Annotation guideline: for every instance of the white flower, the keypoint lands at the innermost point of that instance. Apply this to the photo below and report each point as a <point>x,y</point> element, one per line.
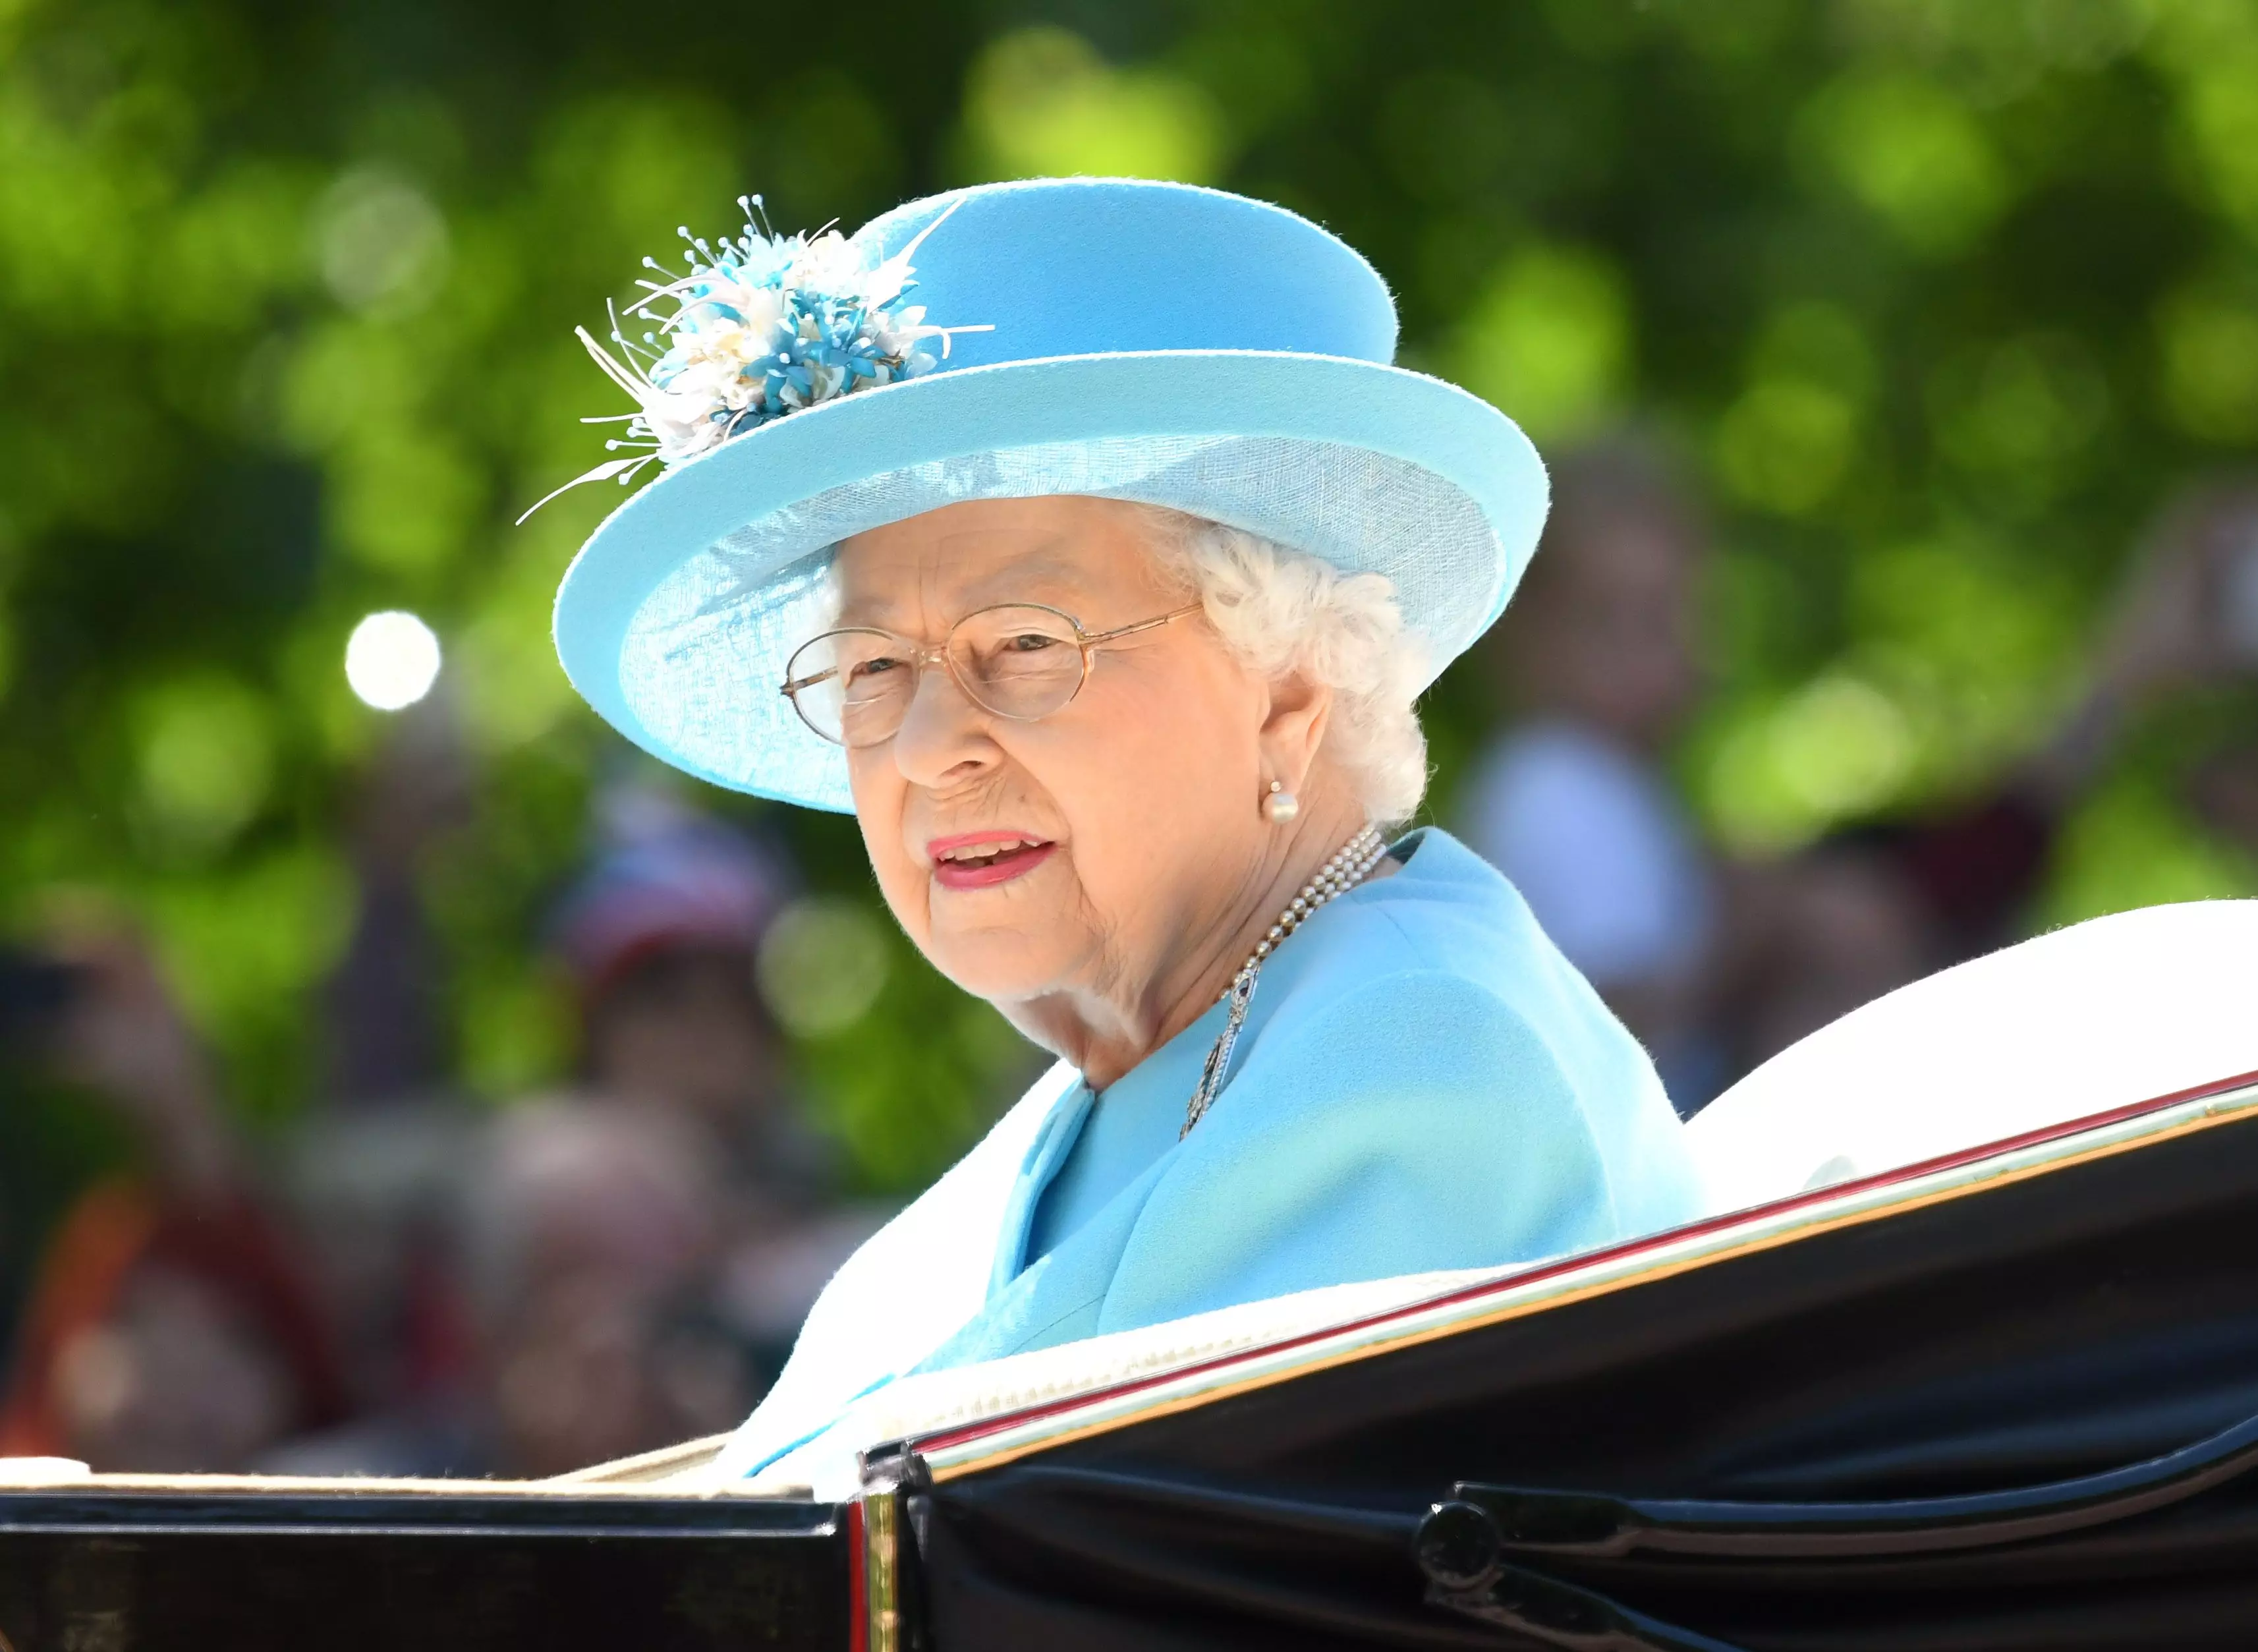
<point>764,326</point>
<point>762,307</point>
<point>683,424</point>
<point>713,361</point>
<point>829,263</point>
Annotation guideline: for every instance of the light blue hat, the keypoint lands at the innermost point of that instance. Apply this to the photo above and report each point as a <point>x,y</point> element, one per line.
<point>1154,342</point>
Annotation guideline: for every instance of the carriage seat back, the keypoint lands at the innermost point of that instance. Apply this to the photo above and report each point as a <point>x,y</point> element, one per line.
<point>2102,1014</point>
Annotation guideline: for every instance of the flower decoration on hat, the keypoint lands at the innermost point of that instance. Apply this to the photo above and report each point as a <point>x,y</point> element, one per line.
<point>760,326</point>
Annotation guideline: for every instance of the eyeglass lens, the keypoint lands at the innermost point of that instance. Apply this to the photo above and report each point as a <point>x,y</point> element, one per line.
<point>855,687</point>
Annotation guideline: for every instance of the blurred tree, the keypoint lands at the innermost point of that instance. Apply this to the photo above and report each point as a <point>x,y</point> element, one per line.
<point>1943,293</point>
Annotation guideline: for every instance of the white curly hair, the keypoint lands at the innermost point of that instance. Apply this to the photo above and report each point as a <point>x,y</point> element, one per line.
<point>1282,611</point>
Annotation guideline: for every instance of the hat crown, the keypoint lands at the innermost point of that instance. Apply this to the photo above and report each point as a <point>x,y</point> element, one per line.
<point>1077,267</point>
<point>1161,344</point>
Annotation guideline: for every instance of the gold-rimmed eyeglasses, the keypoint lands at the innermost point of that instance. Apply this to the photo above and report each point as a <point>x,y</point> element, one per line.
<point>1018,660</point>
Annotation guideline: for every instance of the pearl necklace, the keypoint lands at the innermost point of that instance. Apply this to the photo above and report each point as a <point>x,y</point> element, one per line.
<point>1350,865</point>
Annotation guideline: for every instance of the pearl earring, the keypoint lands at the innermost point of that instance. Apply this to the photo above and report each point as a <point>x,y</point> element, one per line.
<point>1281,805</point>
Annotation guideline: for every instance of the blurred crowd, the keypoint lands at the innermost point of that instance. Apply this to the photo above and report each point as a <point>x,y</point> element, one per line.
<point>1718,962</point>
<point>412,1283</point>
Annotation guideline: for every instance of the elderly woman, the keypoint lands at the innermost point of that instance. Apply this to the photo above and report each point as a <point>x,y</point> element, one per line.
<point>1100,584</point>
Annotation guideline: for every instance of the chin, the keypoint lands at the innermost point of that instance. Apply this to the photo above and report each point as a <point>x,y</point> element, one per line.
<point>1002,969</point>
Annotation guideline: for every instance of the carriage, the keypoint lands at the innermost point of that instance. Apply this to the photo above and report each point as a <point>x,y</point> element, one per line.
<point>1967,1357</point>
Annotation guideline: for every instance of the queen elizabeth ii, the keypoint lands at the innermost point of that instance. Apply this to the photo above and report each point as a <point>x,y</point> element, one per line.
<point>1100,583</point>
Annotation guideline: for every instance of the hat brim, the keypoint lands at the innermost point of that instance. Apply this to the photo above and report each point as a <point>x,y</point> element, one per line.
<point>1433,429</point>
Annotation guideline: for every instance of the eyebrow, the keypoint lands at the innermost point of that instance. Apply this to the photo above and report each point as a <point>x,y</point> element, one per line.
<point>1041,565</point>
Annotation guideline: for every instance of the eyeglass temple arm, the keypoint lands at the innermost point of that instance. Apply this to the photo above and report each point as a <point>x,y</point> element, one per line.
<point>793,685</point>
<point>1119,631</point>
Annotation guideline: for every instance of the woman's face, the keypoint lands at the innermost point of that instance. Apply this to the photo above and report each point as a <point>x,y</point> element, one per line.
<point>1127,821</point>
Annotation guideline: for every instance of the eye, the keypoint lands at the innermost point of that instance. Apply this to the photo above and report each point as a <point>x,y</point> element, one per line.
<point>1030,643</point>
<point>864,670</point>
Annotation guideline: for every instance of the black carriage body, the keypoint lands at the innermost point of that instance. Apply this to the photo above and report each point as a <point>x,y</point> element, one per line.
<point>1996,1404</point>
<point>467,1570</point>
<point>1920,1366</point>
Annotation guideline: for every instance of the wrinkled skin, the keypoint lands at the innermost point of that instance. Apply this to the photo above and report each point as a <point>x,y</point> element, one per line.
<point>1163,871</point>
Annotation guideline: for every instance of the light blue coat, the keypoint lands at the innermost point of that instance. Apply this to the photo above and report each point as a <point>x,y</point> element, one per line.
<point>1423,1082</point>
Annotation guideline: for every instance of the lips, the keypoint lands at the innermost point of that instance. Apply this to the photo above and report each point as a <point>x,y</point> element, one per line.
<point>981,860</point>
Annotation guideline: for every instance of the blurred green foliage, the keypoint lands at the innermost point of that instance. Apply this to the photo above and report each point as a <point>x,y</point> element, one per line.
<point>1942,296</point>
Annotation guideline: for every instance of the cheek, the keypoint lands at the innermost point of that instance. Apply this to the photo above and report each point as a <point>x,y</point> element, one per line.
<point>1147,788</point>
<point>881,800</point>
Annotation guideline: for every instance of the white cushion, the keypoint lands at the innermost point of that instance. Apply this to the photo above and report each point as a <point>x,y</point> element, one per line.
<point>2103,1014</point>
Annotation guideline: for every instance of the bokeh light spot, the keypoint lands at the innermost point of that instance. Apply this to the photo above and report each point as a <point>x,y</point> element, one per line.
<point>392,659</point>
<point>1833,750</point>
<point>207,759</point>
<point>1913,154</point>
<point>2209,338</point>
<point>1786,444</point>
<point>822,965</point>
<point>1041,101</point>
<point>379,241</point>
<point>1550,340</point>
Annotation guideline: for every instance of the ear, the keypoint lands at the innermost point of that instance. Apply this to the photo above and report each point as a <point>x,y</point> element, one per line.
<point>1293,729</point>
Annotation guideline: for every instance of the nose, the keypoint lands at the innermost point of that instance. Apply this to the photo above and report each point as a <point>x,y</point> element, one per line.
<point>943,741</point>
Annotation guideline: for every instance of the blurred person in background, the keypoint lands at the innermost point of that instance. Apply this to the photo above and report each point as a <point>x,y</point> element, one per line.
<point>660,938</point>
<point>382,1196</point>
<point>601,1220</point>
<point>384,1002</point>
<point>378,1164</point>
<point>596,1238</point>
<point>2225,792</point>
<point>616,1265</point>
<point>591,1236</point>
<point>170,1328</point>
<point>1597,657</point>
<point>1719,966</point>
<point>1819,932</point>
<point>1876,904</point>
<point>2207,593</point>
